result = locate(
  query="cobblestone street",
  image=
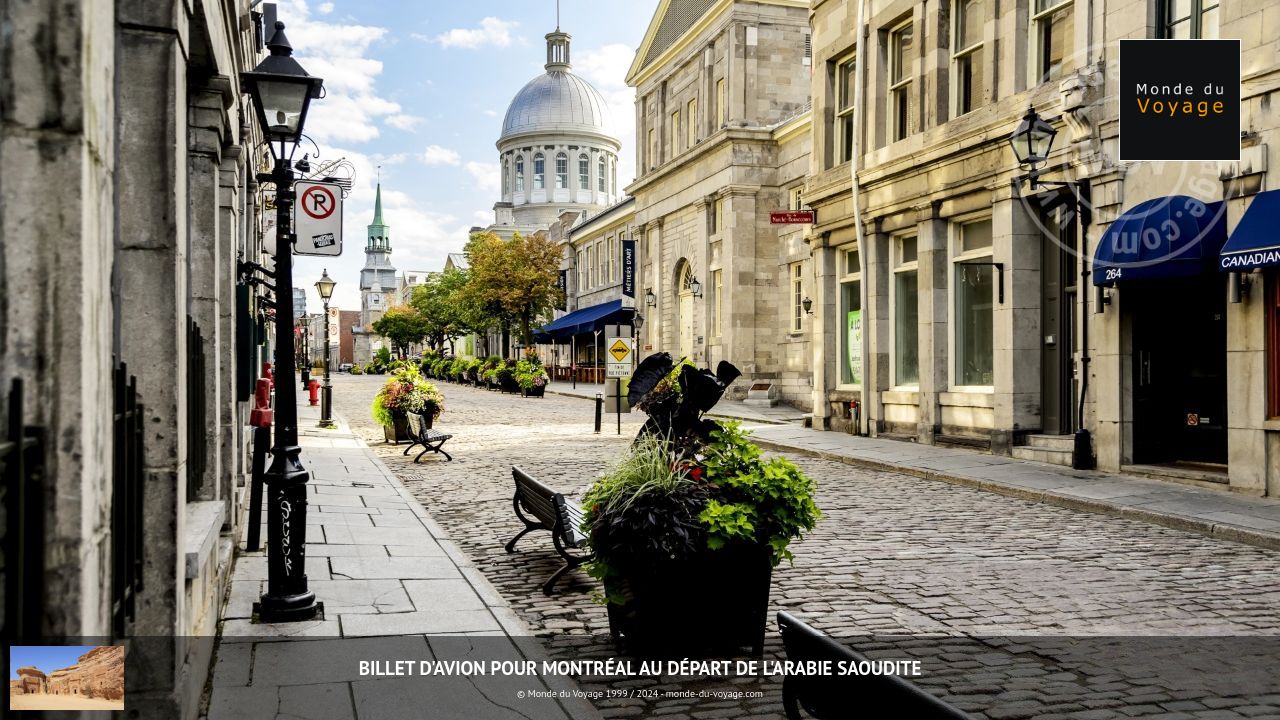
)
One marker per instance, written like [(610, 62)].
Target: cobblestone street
[(1017, 609)]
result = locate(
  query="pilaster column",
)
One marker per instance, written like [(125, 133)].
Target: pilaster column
[(931, 252), (1016, 323), (204, 162)]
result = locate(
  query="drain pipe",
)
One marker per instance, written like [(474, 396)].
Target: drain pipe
[(855, 161), (1082, 452)]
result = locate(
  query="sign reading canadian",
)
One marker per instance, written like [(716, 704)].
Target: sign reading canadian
[(317, 219), (791, 217)]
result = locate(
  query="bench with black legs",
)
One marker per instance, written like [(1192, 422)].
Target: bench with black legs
[(420, 433), (849, 697), (541, 508)]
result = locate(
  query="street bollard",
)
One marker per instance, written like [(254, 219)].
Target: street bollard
[(306, 377), (599, 410)]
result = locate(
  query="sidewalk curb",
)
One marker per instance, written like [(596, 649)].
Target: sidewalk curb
[(1220, 531)]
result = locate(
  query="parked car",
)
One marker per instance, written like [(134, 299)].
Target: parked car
[(344, 367)]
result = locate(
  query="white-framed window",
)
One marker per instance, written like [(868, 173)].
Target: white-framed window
[(717, 303), (1182, 19), (973, 296), (1052, 30), (539, 172), (600, 173), (584, 262), (793, 198), (602, 267), (905, 302), (613, 176), (722, 100), (715, 216), (845, 80), (968, 79), (691, 120), (901, 54), (591, 266), (850, 317), (584, 172), (795, 272), (675, 133), (519, 173), (562, 171)]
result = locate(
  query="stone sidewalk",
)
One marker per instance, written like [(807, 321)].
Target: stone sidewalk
[(1255, 521), (394, 587)]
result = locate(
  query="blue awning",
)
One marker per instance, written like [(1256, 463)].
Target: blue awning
[(1165, 237), (583, 320), (1255, 242)]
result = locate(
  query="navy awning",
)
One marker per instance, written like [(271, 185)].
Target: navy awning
[(1255, 242), (583, 320), (1166, 237)]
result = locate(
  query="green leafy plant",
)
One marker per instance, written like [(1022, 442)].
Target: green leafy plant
[(406, 391), (530, 374)]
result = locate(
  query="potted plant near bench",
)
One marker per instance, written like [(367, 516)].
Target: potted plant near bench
[(406, 392), (687, 527), (507, 377), (531, 376)]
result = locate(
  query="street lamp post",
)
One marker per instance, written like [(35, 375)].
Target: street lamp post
[(281, 92), (1032, 141), (324, 286)]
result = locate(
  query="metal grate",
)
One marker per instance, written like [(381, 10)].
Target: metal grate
[(22, 468), (126, 500)]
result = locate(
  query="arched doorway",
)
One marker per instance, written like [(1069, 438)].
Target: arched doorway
[(684, 309)]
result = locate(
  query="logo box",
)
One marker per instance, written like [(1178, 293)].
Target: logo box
[(1179, 100)]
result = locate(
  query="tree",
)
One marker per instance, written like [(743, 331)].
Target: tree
[(443, 303), (516, 280), (402, 326)]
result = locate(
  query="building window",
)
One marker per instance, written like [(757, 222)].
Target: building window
[(1052, 28), (539, 172), (721, 99), (1184, 19), (613, 176), (562, 171), (967, 56), (583, 264), (653, 149), (506, 177), (584, 172), (590, 281), (850, 319), (797, 296), (520, 174), (906, 313), (715, 216), (602, 264), (901, 44), (691, 118), (675, 133), (974, 283), (793, 198), (717, 303), (843, 131), (600, 173)]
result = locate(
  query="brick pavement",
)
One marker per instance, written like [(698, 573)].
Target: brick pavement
[(1019, 609)]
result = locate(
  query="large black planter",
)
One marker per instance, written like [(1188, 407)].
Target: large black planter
[(535, 391), (714, 604), (399, 432)]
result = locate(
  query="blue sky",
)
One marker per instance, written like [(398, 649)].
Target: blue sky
[(45, 658), (420, 88)]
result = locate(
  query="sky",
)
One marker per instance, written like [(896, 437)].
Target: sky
[(420, 88), (45, 658)]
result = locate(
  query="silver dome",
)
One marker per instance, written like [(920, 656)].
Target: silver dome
[(558, 102)]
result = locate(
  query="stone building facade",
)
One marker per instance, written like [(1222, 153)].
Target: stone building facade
[(950, 294), (722, 100), (127, 149)]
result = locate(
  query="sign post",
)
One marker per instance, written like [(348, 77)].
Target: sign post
[(619, 349), (317, 219)]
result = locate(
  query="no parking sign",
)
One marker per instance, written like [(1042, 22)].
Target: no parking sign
[(317, 218)]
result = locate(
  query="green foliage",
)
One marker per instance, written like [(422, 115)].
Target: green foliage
[(357, 370), (515, 281), (530, 374), (406, 391), (458, 367), (383, 356), (402, 326)]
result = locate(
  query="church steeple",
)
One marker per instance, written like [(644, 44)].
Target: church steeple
[(379, 234)]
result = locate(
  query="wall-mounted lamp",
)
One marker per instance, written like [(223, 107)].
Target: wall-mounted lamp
[(1238, 287), (649, 298), (807, 304), (696, 287), (1101, 298)]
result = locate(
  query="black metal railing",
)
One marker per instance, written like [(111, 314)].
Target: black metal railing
[(197, 448), (22, 468), (126, 501)]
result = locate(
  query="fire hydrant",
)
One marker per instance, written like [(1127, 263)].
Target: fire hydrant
[(314, 388)]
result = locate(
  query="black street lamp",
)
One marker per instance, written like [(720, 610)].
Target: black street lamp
[(1032, 141), (282, 92), (324, 286)]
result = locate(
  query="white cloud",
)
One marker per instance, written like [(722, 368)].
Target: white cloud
[(491, 113), (325, 8), (436, 155), (488, 178), (606, 68), (492, 31), (404, 122)]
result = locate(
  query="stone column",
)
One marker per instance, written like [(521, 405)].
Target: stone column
[(1016, 323), (230, 227), (877, 326), (742, 294), (932, 263), (57, 150), (826, 323), (151, 263)]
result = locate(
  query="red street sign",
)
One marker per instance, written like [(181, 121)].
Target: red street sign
[(318, 202), (792, 217)]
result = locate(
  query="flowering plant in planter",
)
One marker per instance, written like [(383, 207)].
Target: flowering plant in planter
[(687, 526), (406, 391), (530, 374)]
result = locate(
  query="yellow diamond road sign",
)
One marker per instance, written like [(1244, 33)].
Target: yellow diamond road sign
[(619, 350)]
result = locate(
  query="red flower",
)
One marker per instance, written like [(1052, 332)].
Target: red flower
[(696, 473)]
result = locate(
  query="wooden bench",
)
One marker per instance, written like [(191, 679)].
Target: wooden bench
[(420, 433), (541, 508), (838, 698)]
